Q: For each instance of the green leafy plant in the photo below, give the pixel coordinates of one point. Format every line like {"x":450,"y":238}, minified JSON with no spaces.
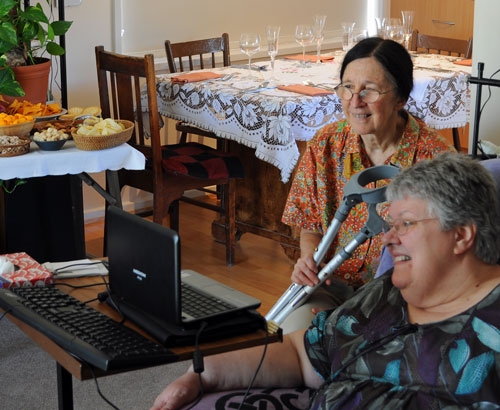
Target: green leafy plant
{"x":25,"y":34}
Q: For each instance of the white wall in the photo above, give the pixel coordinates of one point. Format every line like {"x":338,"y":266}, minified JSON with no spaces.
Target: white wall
{"x":486,"y":50}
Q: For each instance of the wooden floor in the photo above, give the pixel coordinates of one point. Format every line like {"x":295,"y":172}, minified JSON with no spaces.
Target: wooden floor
{"x":261,"y":268}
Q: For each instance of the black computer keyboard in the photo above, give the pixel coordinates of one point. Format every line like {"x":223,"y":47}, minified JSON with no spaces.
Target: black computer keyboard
{"x":199,"y":305}
{"x":81,"y":330}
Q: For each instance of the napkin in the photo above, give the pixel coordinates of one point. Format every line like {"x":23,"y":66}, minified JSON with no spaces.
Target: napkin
{"x":6,"y":266}
{"x":194,"y":77}
{"x":467,"y":62}
{"x":304,"y":89}
{"x":313,"y":59}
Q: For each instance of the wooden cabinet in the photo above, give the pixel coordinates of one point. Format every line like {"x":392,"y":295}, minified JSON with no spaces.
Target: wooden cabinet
{"x":444,"y":18}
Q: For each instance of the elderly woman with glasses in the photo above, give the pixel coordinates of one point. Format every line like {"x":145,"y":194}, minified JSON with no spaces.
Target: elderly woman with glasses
{"x":425,"y":335}
{"x":376,"y":81}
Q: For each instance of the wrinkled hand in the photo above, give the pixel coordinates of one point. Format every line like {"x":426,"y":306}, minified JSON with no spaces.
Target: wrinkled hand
{"x":305,"y":272}
{"x":179,"y":393}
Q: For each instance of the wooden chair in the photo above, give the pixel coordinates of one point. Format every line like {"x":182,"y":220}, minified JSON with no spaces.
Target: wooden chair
{"x":199,"y":49}
{"x":442,"y":45}
{"x":170,"y":169}
{"x":197,"y":55}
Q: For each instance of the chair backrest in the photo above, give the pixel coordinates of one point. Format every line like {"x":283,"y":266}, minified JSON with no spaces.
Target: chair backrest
{"x":441,"y":44}
{"x":199,"y":49}
{"x":121,"y":79}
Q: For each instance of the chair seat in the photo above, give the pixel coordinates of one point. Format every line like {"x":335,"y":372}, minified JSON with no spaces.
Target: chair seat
{"x":200,"y":161}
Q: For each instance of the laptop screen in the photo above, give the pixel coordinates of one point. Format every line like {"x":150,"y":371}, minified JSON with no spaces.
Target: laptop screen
{"x":144,"y":263}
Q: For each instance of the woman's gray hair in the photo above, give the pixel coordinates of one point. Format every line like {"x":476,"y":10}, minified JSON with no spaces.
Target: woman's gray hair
{"x":459,"y":192}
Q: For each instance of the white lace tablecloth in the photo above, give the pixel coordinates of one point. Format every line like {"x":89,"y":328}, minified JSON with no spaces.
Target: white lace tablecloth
{"x":271,"y":120}
{"x":69,"y":160}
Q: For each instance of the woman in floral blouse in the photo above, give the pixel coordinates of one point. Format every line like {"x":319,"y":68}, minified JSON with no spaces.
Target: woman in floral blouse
{"x":423,"y":336}
{"x":376,"y":81}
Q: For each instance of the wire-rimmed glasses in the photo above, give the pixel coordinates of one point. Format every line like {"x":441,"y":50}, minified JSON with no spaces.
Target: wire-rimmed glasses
{"x":402,"y":226}
{"x":367,"y":95}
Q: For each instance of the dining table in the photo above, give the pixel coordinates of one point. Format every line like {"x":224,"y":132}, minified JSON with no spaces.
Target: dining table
{"x":268,"y":127}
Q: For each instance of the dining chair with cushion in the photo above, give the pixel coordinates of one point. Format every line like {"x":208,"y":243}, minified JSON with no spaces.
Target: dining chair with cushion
{"x":127,"y":86}
{"x":442,"y":45}
{"x":199,"y":55}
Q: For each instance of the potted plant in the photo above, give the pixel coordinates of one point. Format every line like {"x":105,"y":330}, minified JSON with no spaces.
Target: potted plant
{"x":25,"y":35}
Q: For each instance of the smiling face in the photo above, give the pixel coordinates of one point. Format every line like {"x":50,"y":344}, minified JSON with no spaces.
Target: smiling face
{"x":370,"y":118}
{"x":422,"y":256}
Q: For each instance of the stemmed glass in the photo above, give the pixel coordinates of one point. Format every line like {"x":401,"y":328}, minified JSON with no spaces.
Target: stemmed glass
{"x":407,"y":25}
{"x":303,"y":36}
{"x":249,"y":45}
{"x":318,"y":33}
{"x":394,"y":30}
{"x":272,"y":33}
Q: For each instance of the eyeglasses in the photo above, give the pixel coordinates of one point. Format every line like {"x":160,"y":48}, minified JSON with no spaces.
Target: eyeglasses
{"x":367,"y":95}
{"x":402,"y":226}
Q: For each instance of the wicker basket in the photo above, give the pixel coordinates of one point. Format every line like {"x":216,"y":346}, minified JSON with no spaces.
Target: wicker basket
{"x":98,"y":142}
{"x":19,"y":130}
{"x":15,"y":149}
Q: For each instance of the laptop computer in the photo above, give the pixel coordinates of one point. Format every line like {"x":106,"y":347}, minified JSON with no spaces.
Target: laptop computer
{"x":146,"y":282}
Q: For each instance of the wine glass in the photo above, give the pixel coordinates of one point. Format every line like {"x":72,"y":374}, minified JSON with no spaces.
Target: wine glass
{"x":394,"y":30}
{"x":347,"y":34}
{"x":272,"y":33}
{"x":318,"y":33}
{"x":249,"y":45}
{"x":303,"y":36}
{"x":407,"y":25}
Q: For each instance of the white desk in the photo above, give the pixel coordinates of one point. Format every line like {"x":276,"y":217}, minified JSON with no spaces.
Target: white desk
{"x":76,"y":163}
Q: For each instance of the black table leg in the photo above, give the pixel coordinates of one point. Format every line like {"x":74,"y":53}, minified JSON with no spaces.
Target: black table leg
{"x":64,"y":389}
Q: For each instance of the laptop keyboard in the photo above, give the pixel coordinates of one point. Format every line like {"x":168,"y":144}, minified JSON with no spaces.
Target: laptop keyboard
{"x":199,"y":305}
{"x":81,"y":330}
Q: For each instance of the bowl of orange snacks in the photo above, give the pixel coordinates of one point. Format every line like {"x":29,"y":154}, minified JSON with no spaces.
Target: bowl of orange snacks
{"x":39,"y":111}
{"x":17,"y":124}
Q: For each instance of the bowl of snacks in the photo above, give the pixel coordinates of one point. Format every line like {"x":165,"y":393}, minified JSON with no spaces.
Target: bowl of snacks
{"x":96,"y":134}
{"x":50,"y":139}
{"x":12,"y":145}
{"x":39,"y":111}
{"x":17,"y":124}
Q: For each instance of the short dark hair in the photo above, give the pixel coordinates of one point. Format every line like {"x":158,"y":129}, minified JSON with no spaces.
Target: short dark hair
{"x":393,"y":57}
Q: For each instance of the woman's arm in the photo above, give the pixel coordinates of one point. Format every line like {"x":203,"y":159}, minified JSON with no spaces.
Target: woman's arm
{"x":285,"y":365}
{"x":305,"y":271}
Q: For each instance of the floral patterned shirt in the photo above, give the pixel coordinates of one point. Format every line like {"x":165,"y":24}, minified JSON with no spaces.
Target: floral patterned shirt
{"x":328,"y":163}
{"x":370,"y":357}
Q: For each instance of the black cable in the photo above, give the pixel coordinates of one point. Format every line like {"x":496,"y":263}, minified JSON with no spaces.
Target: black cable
{"x":489,"y":96}
{"x":62,"y":268}
{"x":99,"y":390}
{"x":258,"y":366}
{"x":76,"y":286}
{"x":198,"y":363}
{"x":4,"y":313}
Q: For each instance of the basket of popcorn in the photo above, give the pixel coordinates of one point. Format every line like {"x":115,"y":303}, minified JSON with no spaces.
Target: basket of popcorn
{"x":96,"y":134}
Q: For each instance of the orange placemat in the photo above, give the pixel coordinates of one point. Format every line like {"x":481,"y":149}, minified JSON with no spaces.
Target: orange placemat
{"x":467,"y":62}
{"x":194,"y":77}
{"x":313,"y":59}
{"x":304,"y":89}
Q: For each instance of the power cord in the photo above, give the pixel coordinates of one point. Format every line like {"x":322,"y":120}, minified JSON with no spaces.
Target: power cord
{"x":489,"y":96}
{"x":259,"y":365}
{"x":198,"y":366}
{"x":4,"y":313}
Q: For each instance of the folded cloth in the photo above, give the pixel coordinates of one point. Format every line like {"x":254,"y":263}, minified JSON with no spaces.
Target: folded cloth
{"x":304,"y":89}
{"x":313,"y":59}
{"x":194,"y":77}
{"x":467,"y":62}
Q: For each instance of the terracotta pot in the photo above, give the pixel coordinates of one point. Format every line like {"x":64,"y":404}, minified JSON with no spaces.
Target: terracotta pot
{"x":34,"y":80}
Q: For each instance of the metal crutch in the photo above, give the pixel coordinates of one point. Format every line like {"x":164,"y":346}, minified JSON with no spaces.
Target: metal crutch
{"x":354,"y":193}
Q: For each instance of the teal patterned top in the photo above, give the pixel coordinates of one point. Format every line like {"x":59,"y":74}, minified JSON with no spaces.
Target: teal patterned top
{"x":371,"y":357}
